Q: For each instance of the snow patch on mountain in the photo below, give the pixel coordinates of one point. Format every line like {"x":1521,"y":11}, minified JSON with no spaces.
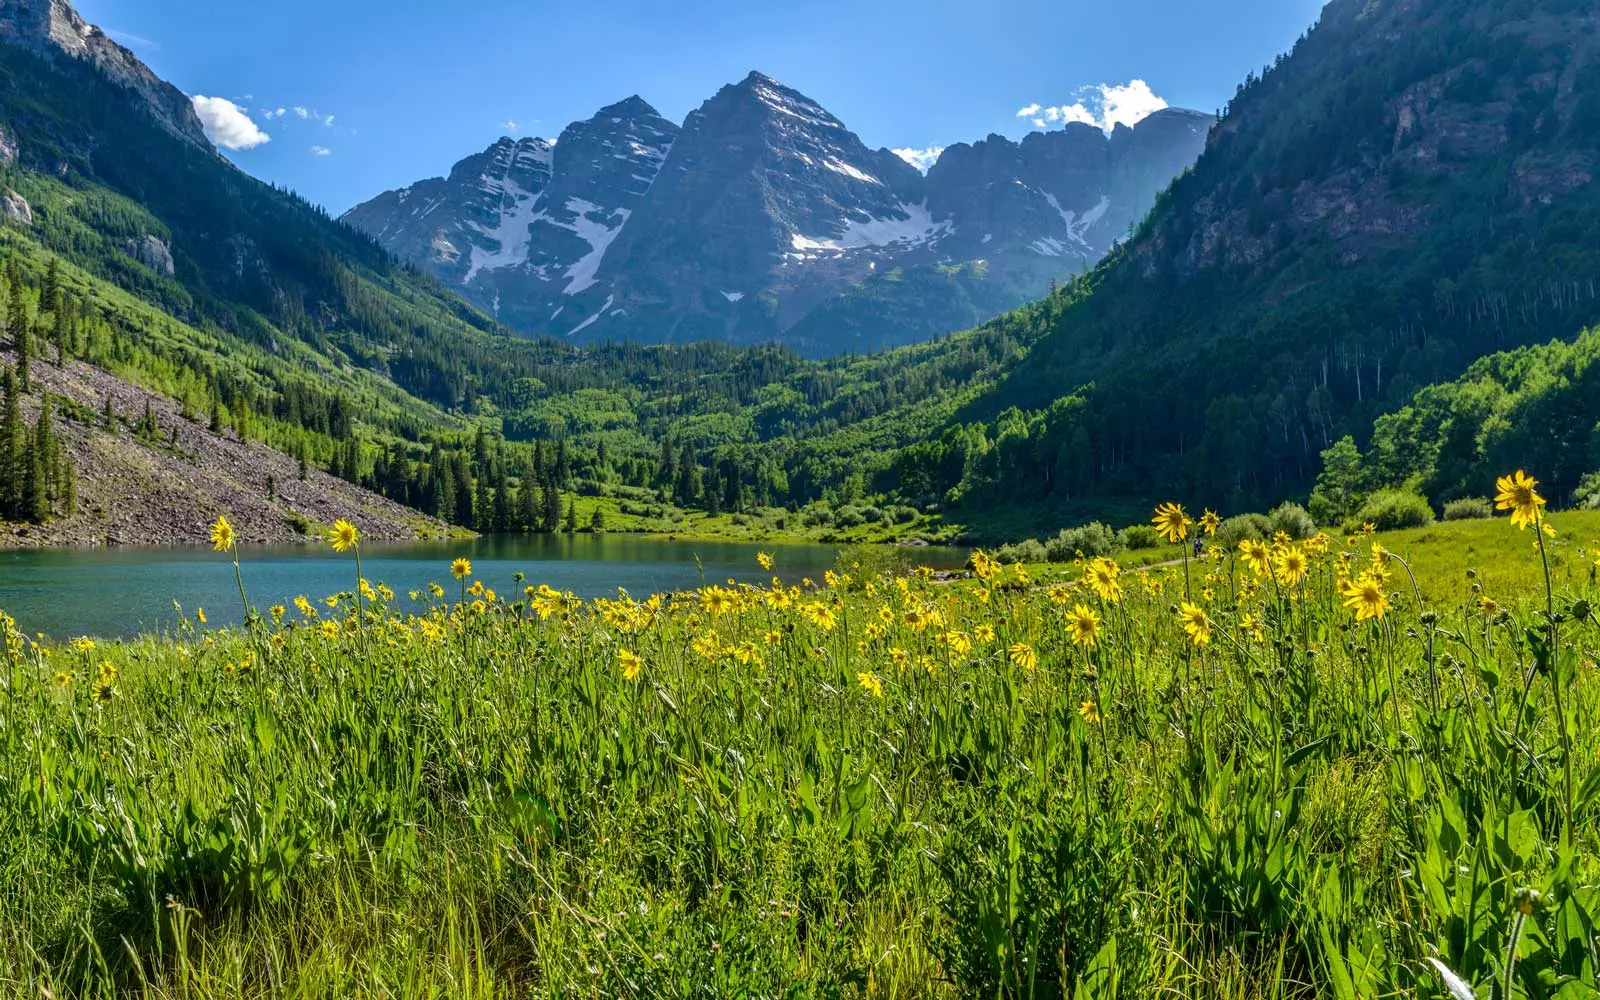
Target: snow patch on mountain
{"x":733,"y":296}
{"x":841,"y":167}
{"x":510,"y":235}
{"x":596,"y":233}
{"x":592,"y":319}
{"x":917,"y":228}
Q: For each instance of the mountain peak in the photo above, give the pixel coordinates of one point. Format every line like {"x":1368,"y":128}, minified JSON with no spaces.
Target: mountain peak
{"x":629,"y":107}
{"x":52,"y":28}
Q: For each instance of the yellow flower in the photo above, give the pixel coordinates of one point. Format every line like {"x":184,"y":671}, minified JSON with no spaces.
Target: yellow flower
{"x":899,"y":656}
{"x":277,"y":611}
{"x":1256,"y":555}
{"x":764,"y":560}
{"x":345,"y":536}
{"x":1083,"y":626}
{"x":1517,"y":495}
{"x":1089,"y":712}
{"x":1195,"y":623}
{"x":435,"y":589}
{"x":984,"y":633}
{"x":871,"y":684}
{"x":1292,"y":565}
{"x":304,"y":607}
{"x":461,"y":568}
{"x":820,"y":615}
{"x":221,"y":534}
{"x":959,"y":642}
{"x":63,"y":679}
{"x":630,"y":663}
{"x":1171,"y":522}
{"x":1366,"y":598}
{"x":1102,"y":575}
{"x":1209,"y":522}
{"x":200,"y":615}
{"x":983,"y":565}
{"x":1022,"y":656}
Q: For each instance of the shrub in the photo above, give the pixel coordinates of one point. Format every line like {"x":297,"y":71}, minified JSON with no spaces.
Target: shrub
{"x":1254,"y":527}
{"x":813,"y":516}
{"x":1293,"y":520}
{"x":1389,"y":510}
{"x":1588,"y":493}
{"x":903,"y":515}
{"x":1092,"y":539}
{"x":1029,"y":550}
{"x":871,"y":515}
{"x":1138,"y":536}
{"x":848,"y":517}
{"x":1469,"y":508}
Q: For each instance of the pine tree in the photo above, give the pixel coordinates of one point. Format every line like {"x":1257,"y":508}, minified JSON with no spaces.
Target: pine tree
{"x":108,"y":418}
{"x":37,"y":488}
{"x":551,"y":520}
{"x":572,"y":515}
{"x":24,"y":351}
{"x":12,"y":448}
{"x":527,"y":503}
{"x":69,"y":488}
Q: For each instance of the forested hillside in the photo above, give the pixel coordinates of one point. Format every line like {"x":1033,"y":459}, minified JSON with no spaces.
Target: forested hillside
{"x":1411,"y":188}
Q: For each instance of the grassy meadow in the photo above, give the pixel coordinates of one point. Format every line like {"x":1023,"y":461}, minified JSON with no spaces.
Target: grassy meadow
{"x":1336,"y":767}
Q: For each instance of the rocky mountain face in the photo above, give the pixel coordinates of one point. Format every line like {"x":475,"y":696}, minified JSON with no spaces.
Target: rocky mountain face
{"x":765,"y":218}
{"x":53,"y":30}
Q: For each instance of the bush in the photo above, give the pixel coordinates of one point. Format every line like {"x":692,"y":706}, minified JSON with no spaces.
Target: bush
{"x":848,"y":517}
{"x":1242,"y":527}
{"x":1293,"y":520}
{"x":1139,"y":536}
{"x":871,"y":515}
{"x":1390,"y":510}
{"x":813,"y":516}
{"x":1468,"y":509}
{"x":903,"y":515}
{"x":1588,"y":493}
{"x":1026,"y":551}
{"x":1092,"y":539}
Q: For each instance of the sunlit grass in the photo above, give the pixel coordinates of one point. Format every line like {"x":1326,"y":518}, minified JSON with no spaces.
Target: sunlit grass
{"x":874,"y":783}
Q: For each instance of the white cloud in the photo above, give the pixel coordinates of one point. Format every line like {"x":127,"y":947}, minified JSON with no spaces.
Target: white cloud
{"x":227,"y":124}
{"x":275,"y":113}
{"x":922,"y":159}
{"x":302,"y":112}
{"x":321,"y":151}
{"x":510,"y":125}
{"x":1105,"y":106}
{"x":129,"y":40}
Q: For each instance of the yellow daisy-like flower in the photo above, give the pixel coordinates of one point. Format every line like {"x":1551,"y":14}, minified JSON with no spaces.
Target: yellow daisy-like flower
{"x":435,"y":589}
{"x":1292,"y":565}
{"x":1089,"y":712}
{"x":63,"y":679}
{"x":1517,"y":494}
{"x":1083,"y":626}
{"x":277,"y":611}
{"x":302,"y":605}
{"x":899,"y":656}
{"x":222,"y":537}
{"x":764,"y":560}
{"x":1195,"y":624}
{"x":984,"y":633}
{"x":1171,"y":522}
{"x":200,"y":615}
{"x":461,"y":568}
{"x":871,"y":684}
{"x":1210,"y":522}
{"x":1022,"y":656}
{"x":1102,"y":575}
{"x":630,"y":663}
{"x":1257,"y":556}
{"x":1366,"y":598}
{"x":344,"y":536}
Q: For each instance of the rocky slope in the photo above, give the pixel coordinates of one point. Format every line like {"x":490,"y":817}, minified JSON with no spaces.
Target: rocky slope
{"x":166,"y":491}
{"x":764,"y":217}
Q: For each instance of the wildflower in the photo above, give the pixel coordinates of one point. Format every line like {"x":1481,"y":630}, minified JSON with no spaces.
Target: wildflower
{"x":774,"y":637}
{"x":221,"y":534}
{"x":984,"y":633}
{"x":200,"y":615}
{"x":764,"y":561}
{"x":1366,"y":598}
{"x":820,"y":615}
{"x":1089,"y":712}
{"x":1195,"y":624}
{"x":1102,"y":575}
{"x":1022,"y":656}
{"x":302,"y":605}
{"x":1292,"y":565}
{"x":1083,"y":626}
{"x":63,"y":679}
{"x":1209,"y":522}
{"x":1256,"y":555}
{"x":959,"y":642}
{"x":630,"y":663}
{"x":983,"y":565}
{"x":345,"y":536}
{"x":82,"y":644}
{"x":460,"y":568}
{"x":435,"y":590}
{"x":871,"y":684}
{"x":1171,"y":522}
{"x":1517,"y":494}
{"x":1253,"y":626}
{"x":899,"y":656}
{"x":277,"y":611}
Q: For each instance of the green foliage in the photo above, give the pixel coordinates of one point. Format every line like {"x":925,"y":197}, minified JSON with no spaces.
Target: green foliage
{"x":1467,"y":508}
{"x":1138,"y":536}
{"x":1391,"y":510}
{"x":1293,"y":520}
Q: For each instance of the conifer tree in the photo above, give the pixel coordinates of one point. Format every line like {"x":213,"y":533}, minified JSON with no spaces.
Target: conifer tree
{"x":12,"y":447}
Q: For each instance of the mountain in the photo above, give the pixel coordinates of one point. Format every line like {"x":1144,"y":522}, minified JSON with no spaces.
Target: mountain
{"x":765,"y":218}
{"x":1411,"y":188}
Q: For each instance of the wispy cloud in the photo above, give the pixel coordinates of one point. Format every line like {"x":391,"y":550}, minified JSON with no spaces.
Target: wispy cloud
{"x":510,"y":125}
{"x":227,"y":124}
{"x":922,"y":159}
{"x":132,"y":41}
{"x":321,"y":151}
{"x":1104,"y":106}
{"x":275,"y":113}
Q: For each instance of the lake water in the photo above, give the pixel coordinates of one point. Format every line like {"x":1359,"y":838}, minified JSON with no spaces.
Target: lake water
{"x":121,"y":592}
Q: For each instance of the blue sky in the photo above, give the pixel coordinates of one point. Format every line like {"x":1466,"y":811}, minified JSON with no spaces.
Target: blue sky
{"x":375,"y":95}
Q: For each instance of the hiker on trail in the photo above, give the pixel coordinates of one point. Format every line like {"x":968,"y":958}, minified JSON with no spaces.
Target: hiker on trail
{"x":1199,"y":548}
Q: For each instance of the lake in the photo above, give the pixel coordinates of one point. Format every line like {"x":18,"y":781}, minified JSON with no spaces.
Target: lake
{"x":128,"y":591}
